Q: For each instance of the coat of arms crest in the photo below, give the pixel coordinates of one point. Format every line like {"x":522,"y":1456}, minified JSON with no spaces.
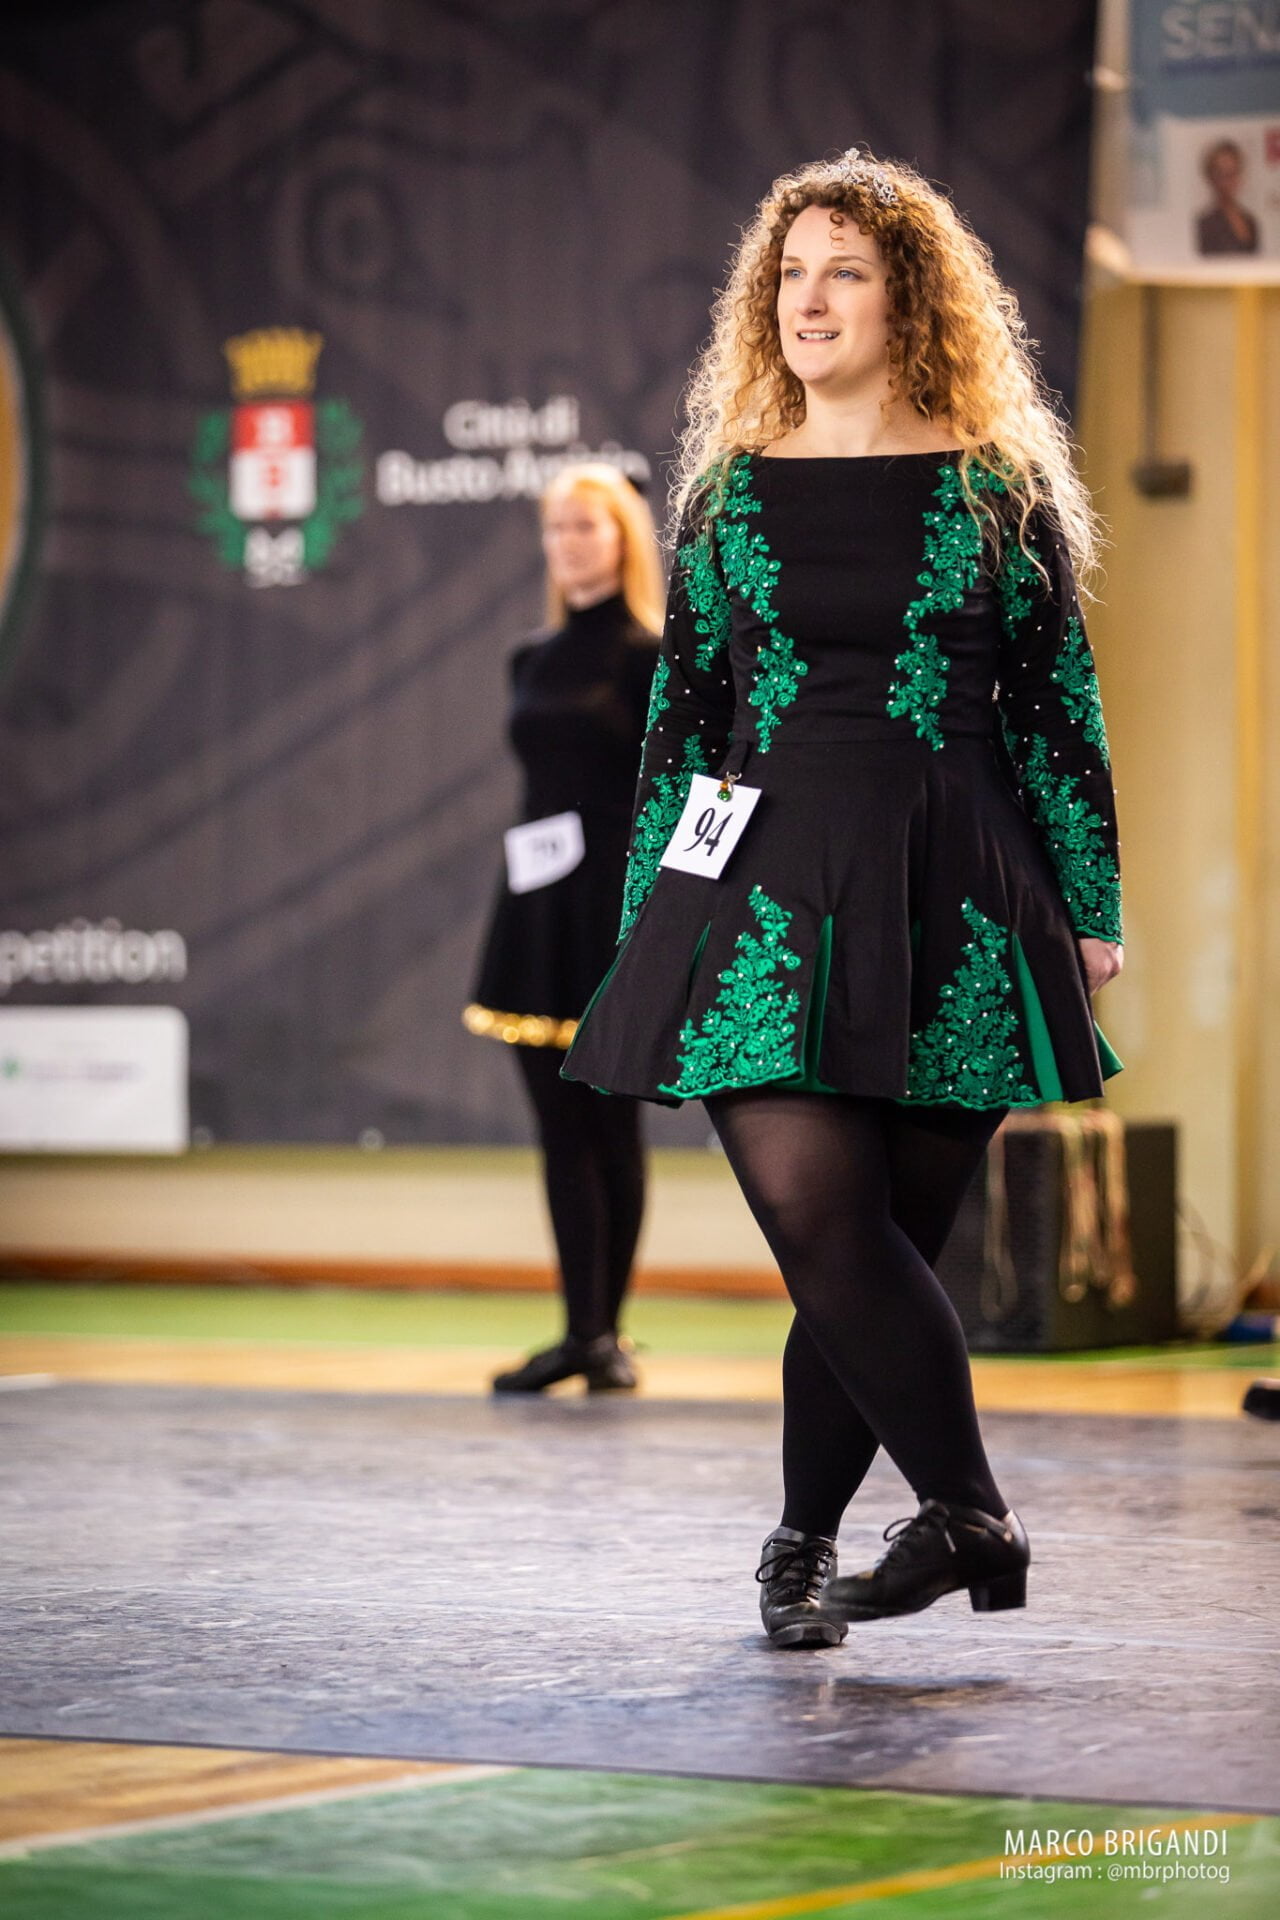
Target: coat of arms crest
{"x":278,"y":473}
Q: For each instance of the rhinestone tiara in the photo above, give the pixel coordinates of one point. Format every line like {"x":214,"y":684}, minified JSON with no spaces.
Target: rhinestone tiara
{"x":858,"y":171}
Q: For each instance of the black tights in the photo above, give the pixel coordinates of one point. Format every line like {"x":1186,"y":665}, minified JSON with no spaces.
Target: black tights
{"x":856,"y":1199}
{"x":593,"y":1165}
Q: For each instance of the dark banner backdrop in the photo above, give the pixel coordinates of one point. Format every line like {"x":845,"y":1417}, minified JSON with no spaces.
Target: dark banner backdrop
{"x":390,"y":260}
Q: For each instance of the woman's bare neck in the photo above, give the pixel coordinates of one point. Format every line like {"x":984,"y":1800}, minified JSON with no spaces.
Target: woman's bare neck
{"x":836,"y":434}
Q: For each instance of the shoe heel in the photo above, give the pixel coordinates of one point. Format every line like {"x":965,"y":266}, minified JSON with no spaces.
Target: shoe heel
{"x":994,"y":1596}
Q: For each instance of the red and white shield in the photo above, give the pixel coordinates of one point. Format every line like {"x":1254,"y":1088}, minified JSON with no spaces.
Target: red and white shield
{"x":273,"y":460}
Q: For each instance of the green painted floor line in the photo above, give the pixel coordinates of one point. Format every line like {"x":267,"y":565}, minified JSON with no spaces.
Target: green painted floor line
{"x":547,"y":1845}
{"x":1244,"y":1356}
{"x":364,"y":1317}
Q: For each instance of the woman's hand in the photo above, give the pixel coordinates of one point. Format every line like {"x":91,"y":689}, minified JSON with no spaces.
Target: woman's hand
{"x":1103,"y":960}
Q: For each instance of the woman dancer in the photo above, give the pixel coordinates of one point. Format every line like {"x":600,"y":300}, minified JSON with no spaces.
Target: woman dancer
{"x":874,"y":625}
{"x":579,"y":697}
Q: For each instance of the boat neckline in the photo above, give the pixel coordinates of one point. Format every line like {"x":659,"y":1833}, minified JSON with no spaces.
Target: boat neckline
{"x":828,"y":459}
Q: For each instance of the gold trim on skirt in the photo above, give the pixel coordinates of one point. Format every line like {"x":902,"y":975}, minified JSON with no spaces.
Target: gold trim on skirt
{"x":519,"y":1029}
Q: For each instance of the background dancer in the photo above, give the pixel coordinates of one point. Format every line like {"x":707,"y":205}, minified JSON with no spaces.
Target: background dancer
{"x":579,"y":701}
{"x":880,"y":530}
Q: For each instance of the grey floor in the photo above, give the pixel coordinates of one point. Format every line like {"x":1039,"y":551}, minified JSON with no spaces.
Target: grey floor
{"x":570,"y":1583}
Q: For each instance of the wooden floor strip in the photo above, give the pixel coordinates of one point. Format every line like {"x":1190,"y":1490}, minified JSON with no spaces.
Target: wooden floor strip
{"x":738,"y":1282}
{"x":58,"y":1792}
{"x":1007,"y":1384}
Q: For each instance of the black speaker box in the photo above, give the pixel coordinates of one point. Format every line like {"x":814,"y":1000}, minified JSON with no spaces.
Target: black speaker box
{"x":1023,"y":1301}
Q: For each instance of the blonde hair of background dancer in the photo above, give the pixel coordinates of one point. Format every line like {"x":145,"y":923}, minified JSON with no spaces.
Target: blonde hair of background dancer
{"x":602,"y":490}
{"x":958,"y":351}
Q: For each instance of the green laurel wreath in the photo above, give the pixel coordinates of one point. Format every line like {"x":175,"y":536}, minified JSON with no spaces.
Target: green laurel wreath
{"x":340,"y":483}
{"x":210,"y":484}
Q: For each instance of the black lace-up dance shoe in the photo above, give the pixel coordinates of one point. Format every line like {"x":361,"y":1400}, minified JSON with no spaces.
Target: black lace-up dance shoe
{"x":938,"y":1550}
{"x":793,"y":1573}
{"x":602,"y":1362}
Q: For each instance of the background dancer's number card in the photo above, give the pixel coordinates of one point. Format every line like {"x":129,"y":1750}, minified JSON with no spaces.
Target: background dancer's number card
{"x":543,"y":851}
{"x":710,"y":828}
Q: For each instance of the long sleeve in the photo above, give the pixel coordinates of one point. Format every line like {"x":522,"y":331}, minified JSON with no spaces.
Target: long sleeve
{"x":690,"y":708}
{"x":1053,"y":727}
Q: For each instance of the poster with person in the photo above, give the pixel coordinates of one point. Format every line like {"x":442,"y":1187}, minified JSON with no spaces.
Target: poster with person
{"x":1204,"y":173}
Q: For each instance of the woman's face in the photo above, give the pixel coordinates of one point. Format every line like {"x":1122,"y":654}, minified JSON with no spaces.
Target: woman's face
{"x":583,"y":546}
{"x":833,"y":303}
{"x":1225,"y":173}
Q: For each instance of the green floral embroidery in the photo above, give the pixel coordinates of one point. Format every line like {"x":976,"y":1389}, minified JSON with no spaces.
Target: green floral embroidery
{"x":738,"y":495}
{"x":922,"y":689}
{"x":969,"y":1054}
{"x":749,"y":568}
{"x":658,"y":701}
{"x":1076,"y":840}
{"x":749,"y":1035}
{"x":1078,"y":683}
{"x":751,"y":571}
{"x":952,"y":559}
{"x":708,"y":601}
{"x":777,"y":681}
{"x":655,"y":824}
{"x":1018,"y":583}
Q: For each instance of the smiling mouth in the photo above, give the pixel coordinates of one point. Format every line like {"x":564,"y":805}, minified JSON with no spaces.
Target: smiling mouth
{"x":813,"y":334}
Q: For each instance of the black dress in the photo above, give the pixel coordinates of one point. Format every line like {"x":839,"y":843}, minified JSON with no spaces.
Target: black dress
{"x":579,"y":700}
{"x":936,"y":823}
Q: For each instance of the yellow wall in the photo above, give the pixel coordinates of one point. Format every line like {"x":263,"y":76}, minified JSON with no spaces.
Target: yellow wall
{"x":1199,"y":1034}
{"x":1267,"y":1156}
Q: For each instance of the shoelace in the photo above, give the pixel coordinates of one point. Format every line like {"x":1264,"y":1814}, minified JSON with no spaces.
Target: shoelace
{"x":913,"y":1535}
{"x":802,"y":1566}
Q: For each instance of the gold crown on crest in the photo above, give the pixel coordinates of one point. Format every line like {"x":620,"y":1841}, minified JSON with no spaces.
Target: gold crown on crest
{"x":273,"y":360}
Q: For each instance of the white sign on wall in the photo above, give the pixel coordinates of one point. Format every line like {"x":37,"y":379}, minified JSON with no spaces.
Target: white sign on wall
{"x":93,"y":1080}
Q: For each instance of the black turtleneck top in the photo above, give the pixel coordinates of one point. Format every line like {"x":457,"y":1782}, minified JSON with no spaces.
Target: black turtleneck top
{"x":579,"y":701}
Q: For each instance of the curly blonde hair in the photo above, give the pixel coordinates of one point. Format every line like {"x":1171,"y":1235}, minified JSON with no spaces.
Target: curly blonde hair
{"x":958,"y":352}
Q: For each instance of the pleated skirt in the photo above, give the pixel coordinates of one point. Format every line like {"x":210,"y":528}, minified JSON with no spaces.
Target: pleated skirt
{"x":545,"y":951}
{"x":889,"y":926}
